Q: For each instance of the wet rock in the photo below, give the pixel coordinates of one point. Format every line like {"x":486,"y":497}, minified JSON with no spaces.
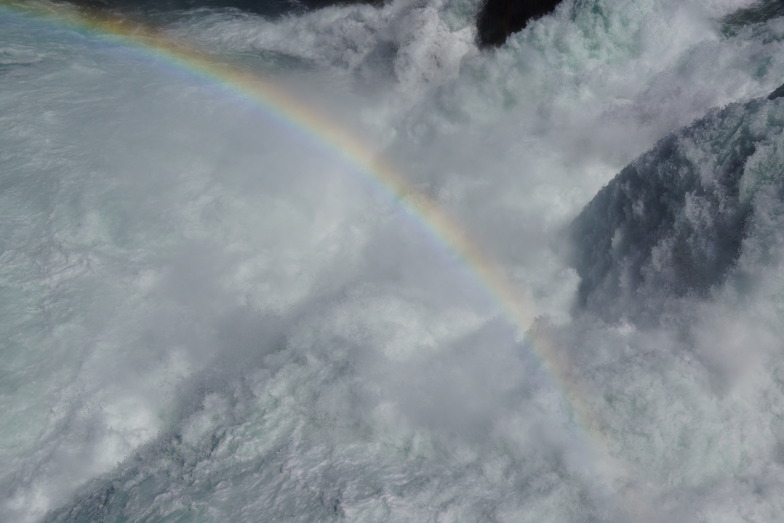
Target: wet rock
{"x":759,"y":12}
{"x":778,"y":93}
{"x":499,"y":18}
{"x":674,"y":223}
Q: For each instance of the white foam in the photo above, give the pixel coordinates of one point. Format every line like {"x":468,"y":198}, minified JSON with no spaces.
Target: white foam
{"x":205,"y":317}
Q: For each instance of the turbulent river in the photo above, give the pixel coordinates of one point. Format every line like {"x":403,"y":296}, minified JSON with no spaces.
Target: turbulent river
{"x":342,"y":264}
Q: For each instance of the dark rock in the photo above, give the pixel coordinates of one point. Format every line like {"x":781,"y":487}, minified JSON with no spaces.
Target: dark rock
{"x":673,"y":223}
{"x":758,"y":13}
{"x":499,"y":18}
{"x":778,"y":93}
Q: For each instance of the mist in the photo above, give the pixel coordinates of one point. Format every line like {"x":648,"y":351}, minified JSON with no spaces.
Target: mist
{"x":209,"y":314}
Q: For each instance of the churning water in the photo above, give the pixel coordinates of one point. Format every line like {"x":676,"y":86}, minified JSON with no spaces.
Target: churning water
{"x":214,"y":308}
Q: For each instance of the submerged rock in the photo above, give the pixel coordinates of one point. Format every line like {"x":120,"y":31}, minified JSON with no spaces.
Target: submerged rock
{"x":757,"y":13}
{"x":499,"y":18}
{"x":676,"y":221}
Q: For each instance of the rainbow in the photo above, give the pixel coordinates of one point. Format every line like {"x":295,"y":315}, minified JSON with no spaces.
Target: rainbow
{"x":326,"y":133}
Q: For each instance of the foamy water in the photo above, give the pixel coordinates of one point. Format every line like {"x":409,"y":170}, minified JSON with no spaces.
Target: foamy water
{"x":209,"y":312}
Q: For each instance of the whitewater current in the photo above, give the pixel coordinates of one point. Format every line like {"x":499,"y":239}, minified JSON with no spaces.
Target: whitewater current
{"x":209,"y":313}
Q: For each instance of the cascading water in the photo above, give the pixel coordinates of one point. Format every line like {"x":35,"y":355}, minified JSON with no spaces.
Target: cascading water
{"x":213,"y":308}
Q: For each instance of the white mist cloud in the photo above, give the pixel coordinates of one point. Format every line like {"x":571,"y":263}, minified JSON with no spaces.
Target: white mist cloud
{"x":209,"y":317}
